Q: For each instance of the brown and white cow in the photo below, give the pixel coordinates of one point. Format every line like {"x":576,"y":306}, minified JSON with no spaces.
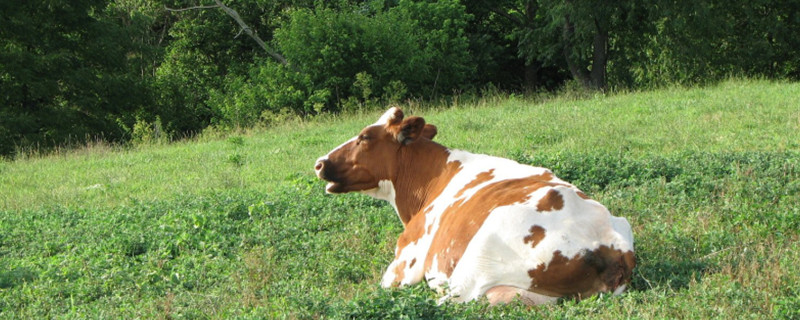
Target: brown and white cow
{"x":480,"y":225}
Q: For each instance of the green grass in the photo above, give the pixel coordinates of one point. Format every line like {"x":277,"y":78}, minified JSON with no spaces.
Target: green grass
{"x":238,"y":227}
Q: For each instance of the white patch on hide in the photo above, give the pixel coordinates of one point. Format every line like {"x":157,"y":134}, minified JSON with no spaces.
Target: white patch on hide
{"x":384,"y":191}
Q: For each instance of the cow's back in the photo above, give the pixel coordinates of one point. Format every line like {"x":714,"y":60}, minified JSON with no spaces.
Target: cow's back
{"x":501,"y":223}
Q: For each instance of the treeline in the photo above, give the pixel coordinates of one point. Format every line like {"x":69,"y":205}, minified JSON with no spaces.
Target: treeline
{"x":72,"y":70}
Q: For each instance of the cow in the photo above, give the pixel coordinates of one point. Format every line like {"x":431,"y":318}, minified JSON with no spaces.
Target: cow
{"x":477,"y":225}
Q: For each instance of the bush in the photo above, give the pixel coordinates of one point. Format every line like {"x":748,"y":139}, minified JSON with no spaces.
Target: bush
{"x":346,"y":59}
{"x":357,"y":56}
{"x":270,"y":93}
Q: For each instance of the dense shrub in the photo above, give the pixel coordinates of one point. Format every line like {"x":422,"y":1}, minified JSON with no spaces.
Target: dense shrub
{"x":271,"y":91}
{"x":420,"y":48}
{"x":702,"y":42}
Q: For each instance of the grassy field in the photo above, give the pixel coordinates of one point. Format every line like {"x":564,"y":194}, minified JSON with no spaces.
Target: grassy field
{"x":238,"y":227}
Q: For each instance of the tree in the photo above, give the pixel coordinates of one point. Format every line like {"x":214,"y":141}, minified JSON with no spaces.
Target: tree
{"x":575,"y":35}
{"x":591,"y":21}
{"x":704,"y":41}
{"x":206,"y":58}
{"x":501,"y":21}
{"x":64,"y":75}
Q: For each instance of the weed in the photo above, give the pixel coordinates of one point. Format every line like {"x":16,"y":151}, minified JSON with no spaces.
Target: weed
{"x":236,"y":159}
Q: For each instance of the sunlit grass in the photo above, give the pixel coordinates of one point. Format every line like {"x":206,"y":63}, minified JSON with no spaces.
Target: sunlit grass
{"x":733,"y":116}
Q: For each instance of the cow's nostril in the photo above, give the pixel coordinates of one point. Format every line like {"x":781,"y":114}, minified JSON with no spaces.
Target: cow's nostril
{"x":318,"y":167}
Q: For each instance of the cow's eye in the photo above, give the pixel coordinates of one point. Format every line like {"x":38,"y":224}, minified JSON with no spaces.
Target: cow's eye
{"x":363,"y":137}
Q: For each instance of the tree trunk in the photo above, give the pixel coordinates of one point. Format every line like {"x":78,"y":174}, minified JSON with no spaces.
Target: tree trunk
{"x":578,"y":73}
{"x":599,"y":57}
{"x":525,"y":22}
{"x":532,"y":75}
{"x":531,"y":67}
{"x":596,"y":78}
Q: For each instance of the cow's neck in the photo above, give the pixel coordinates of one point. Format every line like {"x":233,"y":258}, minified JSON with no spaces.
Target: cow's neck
{"x":421,"y":176}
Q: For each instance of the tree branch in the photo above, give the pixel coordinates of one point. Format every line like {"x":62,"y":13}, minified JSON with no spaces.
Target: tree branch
{"x":246,"y":28}
{"x":508,"y":16}
{"x":235,"y":15}
{"x":191,"y":8}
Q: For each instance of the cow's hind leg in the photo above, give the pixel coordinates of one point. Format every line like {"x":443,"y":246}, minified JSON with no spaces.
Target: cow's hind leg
{"x":506,"y":294}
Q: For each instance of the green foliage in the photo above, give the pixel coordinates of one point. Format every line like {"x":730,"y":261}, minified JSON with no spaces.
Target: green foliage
{"x":415,"y":302}
{"x":210,"y":74}
{"x":271,"y":91}
{"x":707,"y":41}
{"x":787,"y":307}
{"x":64,"y":74}
{"x":146,"y":133}
{"x":649,"y":44}
{"x":73,"y":72}
{"x":356,"y":56}
{"x":183,"y":81}
{"x":440,"y":28}
{"x":338,"y":45}
{"x":186,"y":246}
{"x":343,"y":58}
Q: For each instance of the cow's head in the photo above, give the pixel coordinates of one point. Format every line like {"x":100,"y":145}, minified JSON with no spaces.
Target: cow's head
{"x":372,"y":156}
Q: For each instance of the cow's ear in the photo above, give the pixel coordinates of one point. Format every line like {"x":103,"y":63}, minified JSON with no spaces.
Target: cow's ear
{"x":429,"y":131}
{"x":410,"y":130}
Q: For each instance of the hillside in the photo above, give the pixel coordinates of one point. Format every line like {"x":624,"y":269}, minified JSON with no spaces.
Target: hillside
{"x":239,"y":227}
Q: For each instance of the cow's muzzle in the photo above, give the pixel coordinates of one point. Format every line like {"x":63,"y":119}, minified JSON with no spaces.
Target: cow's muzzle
{"x":319,"y":166}
{"x":323,"y":169}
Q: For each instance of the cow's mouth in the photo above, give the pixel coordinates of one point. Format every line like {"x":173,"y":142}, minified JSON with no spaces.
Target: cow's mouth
{"x":343,"y":181}
{"x":334,"y":187}
{"x":337,"y":187}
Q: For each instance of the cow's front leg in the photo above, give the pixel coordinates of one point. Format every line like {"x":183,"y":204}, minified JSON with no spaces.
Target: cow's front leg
{"x":406,"y":269}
